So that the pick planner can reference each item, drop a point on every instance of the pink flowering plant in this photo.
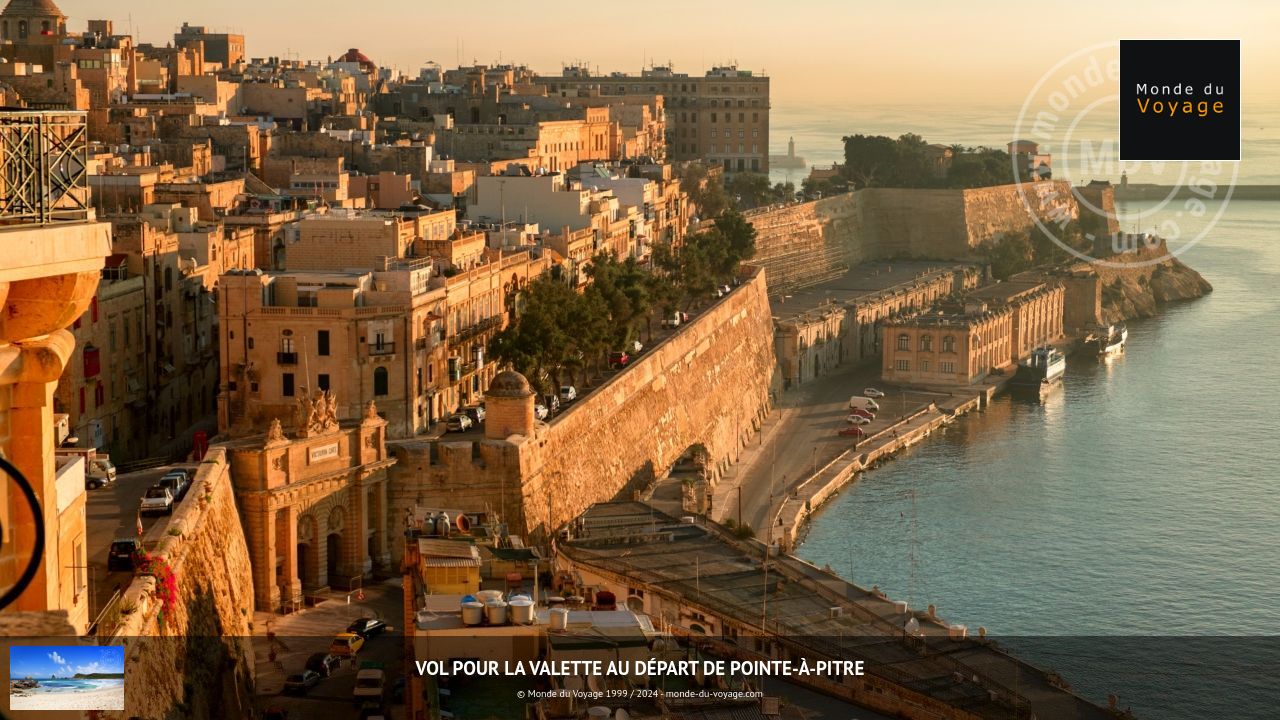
(166, 582)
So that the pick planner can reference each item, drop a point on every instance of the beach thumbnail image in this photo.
(66, 677)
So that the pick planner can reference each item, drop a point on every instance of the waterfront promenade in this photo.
(798, 460)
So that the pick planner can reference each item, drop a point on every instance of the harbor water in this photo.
(1124, 531)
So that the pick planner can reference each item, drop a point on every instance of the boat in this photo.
(1111, 341)
(1044, 367)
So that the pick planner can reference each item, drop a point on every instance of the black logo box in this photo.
(1185, 65)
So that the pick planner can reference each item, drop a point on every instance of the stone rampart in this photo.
(707, 384)
(808, 243)
(195, 659)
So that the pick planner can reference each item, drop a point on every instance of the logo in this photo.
(1069, 127)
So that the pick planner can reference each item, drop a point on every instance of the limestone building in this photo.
(313, 501)
(994, 328)
(51, 254)
(721, 117)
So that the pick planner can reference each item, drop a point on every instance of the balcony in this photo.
(43, 168)
(386, 348)
(287, 358)
(484, 325)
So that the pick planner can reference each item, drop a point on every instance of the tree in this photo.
(707, 195)
(867, 157)
(750, 190)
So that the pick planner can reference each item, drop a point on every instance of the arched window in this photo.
(44, 26)
(22, 29)
(926, 343)
(904, 342)
(380, 381)
(948, 344)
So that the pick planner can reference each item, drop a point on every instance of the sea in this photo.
(1124, 531)
(69, 685)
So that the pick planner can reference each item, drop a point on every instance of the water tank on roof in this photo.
(472, 613)
(559, 619)
(442, 524)
(495, 611)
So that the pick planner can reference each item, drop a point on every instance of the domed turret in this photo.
(508, 406)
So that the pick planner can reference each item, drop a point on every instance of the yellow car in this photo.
(346, 644)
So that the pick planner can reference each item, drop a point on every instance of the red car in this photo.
(864, 413)
(619, 359)
(853, 431)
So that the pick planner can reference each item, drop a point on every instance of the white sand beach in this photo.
(102, 698)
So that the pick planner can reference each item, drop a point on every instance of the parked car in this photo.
(619, 359)
(865, 403)
(475, 412)
(123, 554)
(672, 320)
(300, 683)
(726, 289)
(684, 317)
(346, 644)
(853, 431)
(369, 684)
(367, 627)
(323, 663)
(552, 401)
(637, 347)
(177, 482)
(872, 393)
(541, 412)
(568, 394)
(863, 413)
(157, 501)
(458, 423)
(854, 419)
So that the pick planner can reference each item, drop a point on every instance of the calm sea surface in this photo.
(1136, 504)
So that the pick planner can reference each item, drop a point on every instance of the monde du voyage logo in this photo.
(1179, 100)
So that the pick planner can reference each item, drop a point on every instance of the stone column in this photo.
(380, 528)
(38, 365)
(355, 555)
(261, 536)
(287, 545)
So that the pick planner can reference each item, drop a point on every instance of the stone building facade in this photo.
(957, 348)
(313, 502)
(51, 255)
(721, 117)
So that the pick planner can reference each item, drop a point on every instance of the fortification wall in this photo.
(709, 383)
(808, 243)
(197, 658)
(990, 212)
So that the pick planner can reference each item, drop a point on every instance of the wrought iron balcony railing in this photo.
(43, 167)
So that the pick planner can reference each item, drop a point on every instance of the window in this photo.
(903, 365)
(322, 381)
(81, 400)
(93, 308)
(949, 344)
(947, 367)
(904, 342)
(380, 381)
(924, 366)
(99, 395)
(322, 342)
(286, 344)
(926, 343)
(287, 385)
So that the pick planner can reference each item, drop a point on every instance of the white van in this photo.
(863, 403)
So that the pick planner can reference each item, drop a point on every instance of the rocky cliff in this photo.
(1135, 286)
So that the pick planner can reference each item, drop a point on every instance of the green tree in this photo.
(749, 190)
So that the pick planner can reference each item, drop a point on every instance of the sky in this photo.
(42, 661)
(816, 51)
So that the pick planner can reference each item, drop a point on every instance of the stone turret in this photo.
(508, 406)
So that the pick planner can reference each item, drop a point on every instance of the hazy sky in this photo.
(833, 51)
